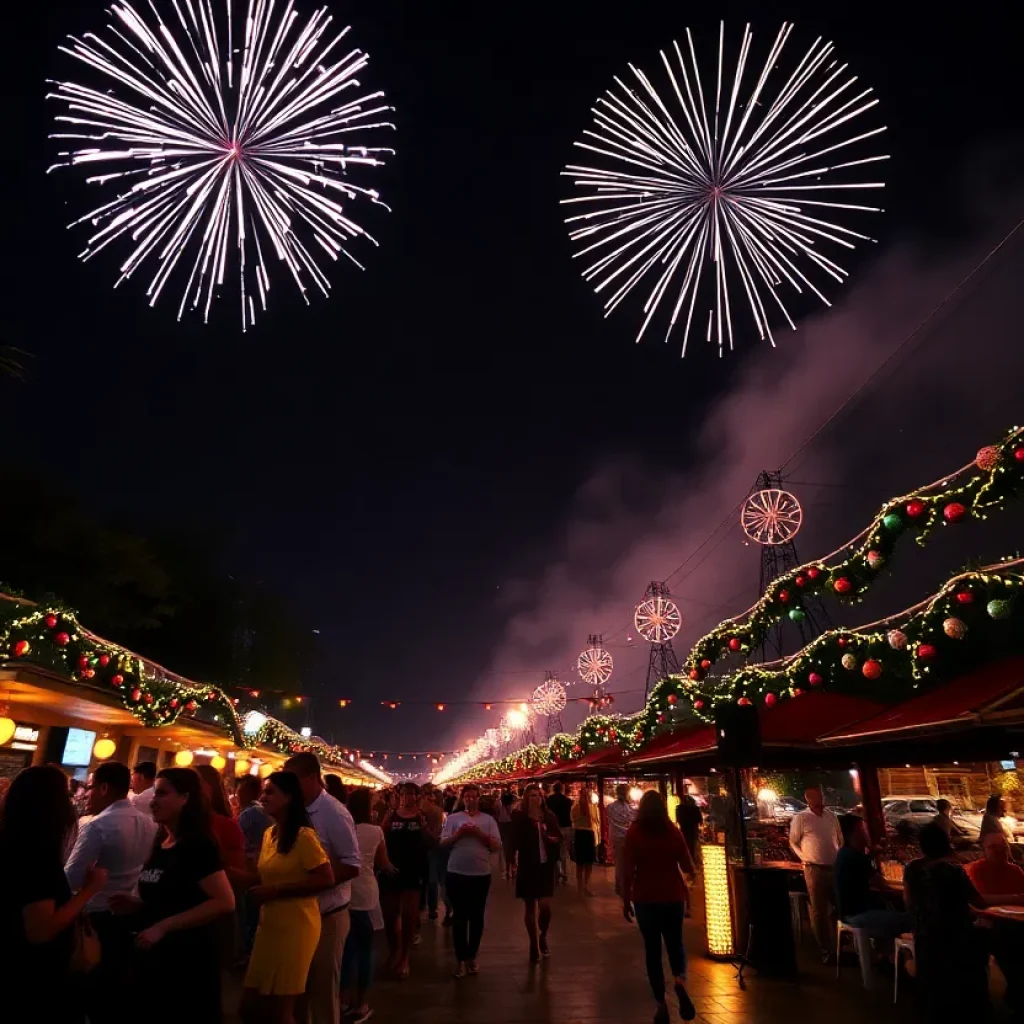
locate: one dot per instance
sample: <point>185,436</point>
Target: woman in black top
<point>408,840</point>
<point>183,890</point>
<point>37,911</point>
<point>536,838</point>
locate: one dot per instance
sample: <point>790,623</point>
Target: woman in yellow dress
<point>293,868</point>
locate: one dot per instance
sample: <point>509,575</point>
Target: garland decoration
<point>995,475</point>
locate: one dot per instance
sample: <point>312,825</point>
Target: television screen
<point>1008,766</point>
<point>78,747</point>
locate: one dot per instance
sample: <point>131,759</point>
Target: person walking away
<point>434,817</point>
<point>321,1003</point>
<point>949,951</point>
<point>561,806</point>
<point>586,827</point>
<point>470,837</point>
<point>1001,883</point>
<point>504,807</point>
<point>690,820</point>
<point>620,817</point>
<point>183,893</point>
<point>38,913</point>
<point>992,819</point>
<point>143,784</point>
<point>118,837</point>
<point>652,887</point>
<point>815,838</point>
<point>292,870</point>
<point>408,844</point>
<point>364,911</point>
<point>536,838</point>
<point>253,821</point>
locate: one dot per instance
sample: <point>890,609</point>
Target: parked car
<point>915,812</point>
<point>786,806</point>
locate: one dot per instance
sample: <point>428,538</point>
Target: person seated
<point>944,819</point>
<point>860,886</point>
<point>996,877</point>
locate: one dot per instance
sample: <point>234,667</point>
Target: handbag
<point>85,948</point>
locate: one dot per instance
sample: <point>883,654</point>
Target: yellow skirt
<point>286,940</point>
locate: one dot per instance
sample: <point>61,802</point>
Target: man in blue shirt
<point>119,837</point>
<point>860,887</point>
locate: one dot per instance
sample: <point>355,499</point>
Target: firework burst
<point>704,193</point>
<point>226,142</point>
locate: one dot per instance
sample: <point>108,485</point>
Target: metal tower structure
<point>657,620</point>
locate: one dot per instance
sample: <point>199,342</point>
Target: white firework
<point>222,144</point>
<point>549,698</point>
<point>771,516</point>
<point>595,666</point>
<point>705,190</point>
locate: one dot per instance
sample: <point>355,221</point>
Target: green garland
<point>995,476</point>
<point>51,637</point>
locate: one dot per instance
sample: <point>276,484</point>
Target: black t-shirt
<point>854,871</point>
<point>169,883</point>
<point>407,850</point>
<point>561,807</point>
<point>39,972</point>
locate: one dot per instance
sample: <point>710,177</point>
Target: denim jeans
<point>468,894</point>
<point>428,890</point>
<point>661,922</point>
<point>888,923</point>
<point>358,956</point>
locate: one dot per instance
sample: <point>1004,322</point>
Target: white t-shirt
<point>468,855</point>
<point>815,838</point>
<point>365,894</point>
<point>144,800</point>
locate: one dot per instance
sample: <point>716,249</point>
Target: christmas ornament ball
<point>21,648</point>
<point>954,512</point>
<point>705,663</point>
<point>892,521</point>
<point>897,639</point>
<point>694,674</point>
<point>744,702</point>
<point>1018,454</point>
<point>815,679</point>
<point>987,458</point>
<point>927,651</point>
<point>770,700</point>
<point>872,668</point>
<point>875,559</point>
<point>735,644</point>
<point>797,614</point>
<point>849,662</point>
<point>955,628</point>
<point>672,699</point>
<point>999,610</point>
<point>51,621</point>
<point>916,508</point>
<point>842,585</point>
<point>62,639</point>
<point>698,704</point>
<point>814,572</point>
<point>964,597</point>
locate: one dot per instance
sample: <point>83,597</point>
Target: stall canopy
<point>988,696</point>
<point>605,759</point>
<point>676,746</point>
<point>800,721</point>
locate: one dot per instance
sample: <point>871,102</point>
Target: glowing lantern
<point>104,748</point>
<point>717,901</point>
<point>183,758</point>
<point>241,766</point>
<point>6,729</point>
<point>265,770</point>
<point>217,762</point>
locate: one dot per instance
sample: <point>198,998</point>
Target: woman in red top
<point>652,886</point>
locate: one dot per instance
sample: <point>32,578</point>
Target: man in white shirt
<point>816,838</point>
<point>144,786</point>
<point>620,817</point>
<point>118,837</point>
<point>337,832</point>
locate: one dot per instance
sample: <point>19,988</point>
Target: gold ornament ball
<point>955,628</point>
<point>849,662</point>
<point>897,639</point>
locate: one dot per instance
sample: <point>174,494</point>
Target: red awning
<point>673,746</point>
<point>965,701</point>
<point>606,757</point>
<point>799,721</point>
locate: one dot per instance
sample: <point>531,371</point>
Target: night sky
<point>454,465</point>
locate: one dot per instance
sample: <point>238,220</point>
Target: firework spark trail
<point>212,161</point>
<point>723,192</point>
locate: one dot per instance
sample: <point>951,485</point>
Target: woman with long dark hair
<point>38,914</point>
<point>536,838</point>
<point>225,828</point>
<point>654,852</point>
<point>293,868</point>
<point>183,891</point>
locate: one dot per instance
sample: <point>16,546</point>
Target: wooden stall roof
<point>989,695</point>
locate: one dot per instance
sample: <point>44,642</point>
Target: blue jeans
<point>661,922</point>
<point>889,923</point>
<point>428,891</point>
<point>358,955</point>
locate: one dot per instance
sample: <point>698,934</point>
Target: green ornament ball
<point>999,610</point>
<point>892,521</point>
<point>797,614</point>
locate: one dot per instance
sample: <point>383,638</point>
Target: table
<point>1012,914</point>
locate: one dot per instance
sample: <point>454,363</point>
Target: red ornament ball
<point>62,639</point>
<point>174,702</point>
<point>842,585</point>
<point>136,694</point>
<point>1019,454</point>
<point>987,458</point>
<point>577,749</point>
<point>83,661</point>
<point>190,706</point>
<point>814,572</point>
<point>104,660</point>
<point>88,673</point>
<point>964,597</point>
<point>116,679</point>
<point>661,719</point>
<point>872,668</point>
<point>148,698</point>
<point>21,648</point>
<point>798,692</point>
<point>612,734</point>
<point>672,699</point>
<point>783,596</point>
<point>842,641</point>
<point>916,508</point>
<point>800,581</point>
<point>770,700</point>
<point>694,674</point>
<point>51,621</point>
<point>698,704</point>
<point>705,664</point>
<point>744,702</point>
<point>735,643</point>
<point>954,512</point>
<point>927,651</point>
<point>815,679</point>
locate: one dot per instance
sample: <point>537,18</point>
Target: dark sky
<point>455,444</point>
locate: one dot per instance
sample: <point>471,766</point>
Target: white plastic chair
<point>904,943</point>
<point>862,946</point>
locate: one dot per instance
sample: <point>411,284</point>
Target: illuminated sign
<point>26,734</point>
<point>717,901</point>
